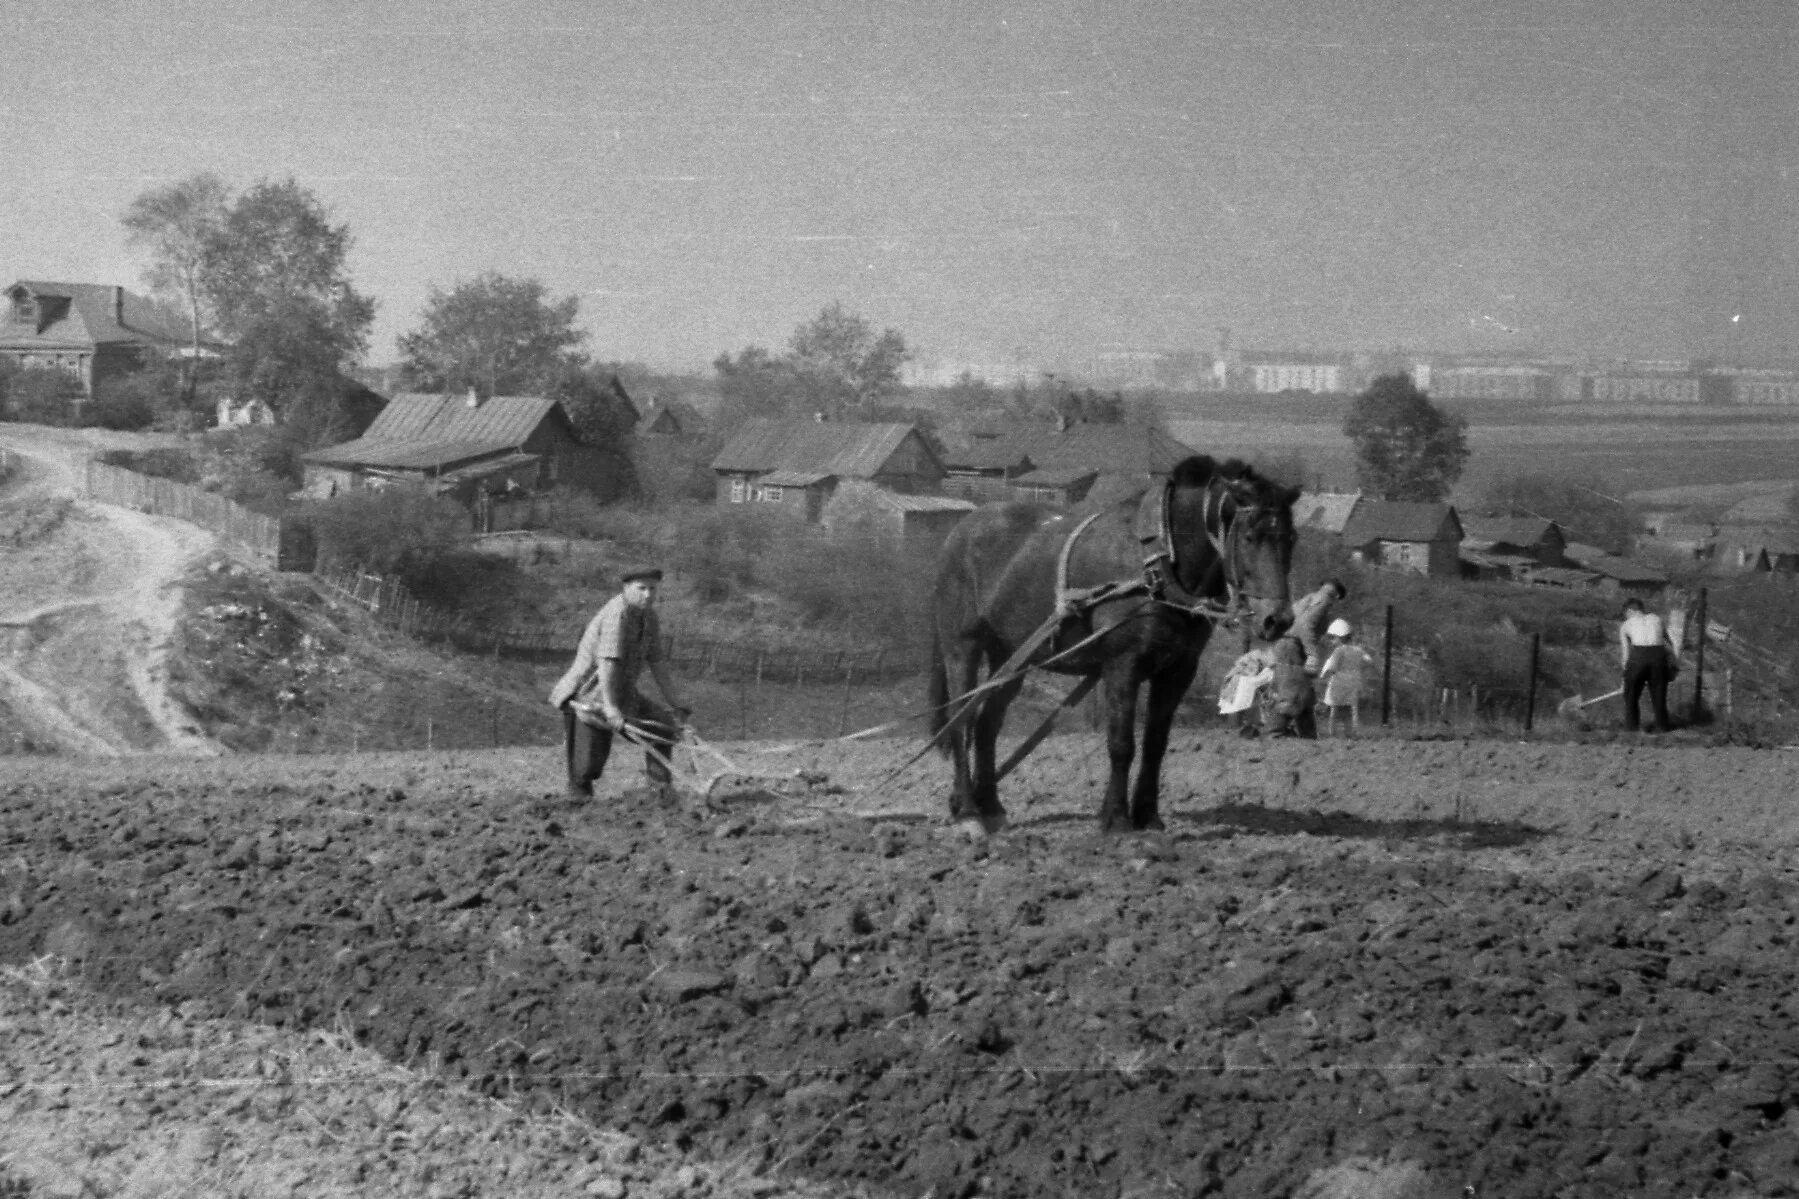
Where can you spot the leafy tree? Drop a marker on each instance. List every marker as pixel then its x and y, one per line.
pixel 275 276
pixel 843 364
pixel 38 394
pixel 1406 447
pixel 755 384
pixel 496 334
pixel 835 364
pixel 1586 511
pixel 596 402
pixel 177 225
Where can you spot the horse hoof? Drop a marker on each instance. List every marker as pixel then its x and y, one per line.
pixel 1152 825
pixel 979 828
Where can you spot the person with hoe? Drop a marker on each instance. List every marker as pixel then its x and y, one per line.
pixel 598 694
pixel 1342 677
pixel 1646 656
pixel 1311 614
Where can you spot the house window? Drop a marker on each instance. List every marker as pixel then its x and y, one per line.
pixel 739 489
pixel 24 308
pixel 770 493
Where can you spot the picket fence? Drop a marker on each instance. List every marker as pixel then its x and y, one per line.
pixel 259 534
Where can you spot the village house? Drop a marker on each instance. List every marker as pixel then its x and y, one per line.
pixel 794 466
pixel 670 418
pixel 489 454
pixel 982 468
pixel 93 331
pixel 1324 511
pixel 1416 538
pixel 1764 551
pixel 1535 538
pixel 860 508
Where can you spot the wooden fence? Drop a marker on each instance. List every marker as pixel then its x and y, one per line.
pixel 164 497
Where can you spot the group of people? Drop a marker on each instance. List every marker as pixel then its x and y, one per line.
pixel 1273 689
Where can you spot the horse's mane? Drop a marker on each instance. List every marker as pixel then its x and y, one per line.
pixel 1200 469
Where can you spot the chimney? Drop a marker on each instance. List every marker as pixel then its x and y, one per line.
pixel 474 398
pixel 118 305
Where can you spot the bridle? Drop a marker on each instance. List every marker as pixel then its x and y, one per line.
pixel 1226 521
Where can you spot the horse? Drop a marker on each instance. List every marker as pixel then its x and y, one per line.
pixel 1126 596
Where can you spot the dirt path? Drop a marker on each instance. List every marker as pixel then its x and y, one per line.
pixel 87 615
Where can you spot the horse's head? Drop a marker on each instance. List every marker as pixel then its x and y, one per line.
pixel 1232 533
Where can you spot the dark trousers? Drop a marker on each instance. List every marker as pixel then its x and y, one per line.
pixel 1647 666
pixel 588 746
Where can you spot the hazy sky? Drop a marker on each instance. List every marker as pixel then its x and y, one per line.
pixel 994 180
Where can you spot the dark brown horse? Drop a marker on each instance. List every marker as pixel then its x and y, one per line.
pixel 1141 585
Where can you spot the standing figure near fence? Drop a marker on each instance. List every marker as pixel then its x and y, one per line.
pixel 1647 660
pixel 598 694
pixel 1311 614
pixel 1342 676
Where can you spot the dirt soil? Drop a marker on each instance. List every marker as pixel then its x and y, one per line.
pixel 1375 968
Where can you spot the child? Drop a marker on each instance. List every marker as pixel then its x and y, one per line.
pixel 1342 677
pixel 1246 677
pixel 1290 704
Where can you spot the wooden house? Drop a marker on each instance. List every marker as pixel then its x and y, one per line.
pixel 858 508
pixel 1061 485
pixel 1416 538
pixel 1537 538
pixel 1764 551
pixel 92 331
pixel 794 466
pixel 1324 511
pixel 670 418
pixel 982 468
pixel 488 454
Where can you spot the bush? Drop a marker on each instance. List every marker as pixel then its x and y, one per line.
pixel 387 531
pixel 38 395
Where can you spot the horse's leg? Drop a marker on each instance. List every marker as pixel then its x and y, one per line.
pixel 964 673
pixel 1121 742
pixel 985 736
pixel 1165 692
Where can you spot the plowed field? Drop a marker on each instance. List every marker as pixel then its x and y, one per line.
pixel 1492 969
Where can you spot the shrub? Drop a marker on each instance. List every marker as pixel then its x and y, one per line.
pixel 39 395
pixel 385 531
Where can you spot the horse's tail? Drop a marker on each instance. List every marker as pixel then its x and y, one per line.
pixel 937 695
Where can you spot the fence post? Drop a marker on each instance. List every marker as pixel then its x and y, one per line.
pixel 1386 672
pixel 1698 710
pixel 1530 687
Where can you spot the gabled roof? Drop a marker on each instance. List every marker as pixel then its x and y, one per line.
pixel 685 417
pixel 402 455
pixel 1509 530
pixel 1773 541
pixel 1398 520
pixel 898 502
pixel 88 314
pixel 1325 511
pixel 1108 449
pixel 1685 531
pixel 794 478
pixel 1055 476
pixel 845 448
pixel 1579 551
pixel 500 421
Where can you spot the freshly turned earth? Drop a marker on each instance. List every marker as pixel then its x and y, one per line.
pixel 1524 969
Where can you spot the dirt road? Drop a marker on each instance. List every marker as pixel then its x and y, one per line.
pixel 86 612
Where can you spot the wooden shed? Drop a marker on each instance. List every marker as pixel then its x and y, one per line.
pixel 1397 535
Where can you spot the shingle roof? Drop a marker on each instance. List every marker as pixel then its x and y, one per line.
pixel 401 455
pixel 88 318
pixel 1563 576
pixel 1508 530
pixel 501 422
pixel 1063 476
pixel 1397 520
pixel 900 502
pixel 794 478
pixel 844 448
pixel 1326 511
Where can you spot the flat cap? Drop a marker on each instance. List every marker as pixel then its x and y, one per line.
pixel 641 570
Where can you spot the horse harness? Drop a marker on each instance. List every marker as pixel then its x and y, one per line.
pixel 1158 580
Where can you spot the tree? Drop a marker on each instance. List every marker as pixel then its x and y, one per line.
pixel 835 365
pixel 176 225
pixel 496 334
pixel 275 278
pixel 1406 447
pixel 843 364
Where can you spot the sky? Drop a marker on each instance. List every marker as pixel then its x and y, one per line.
pixel 1001 183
